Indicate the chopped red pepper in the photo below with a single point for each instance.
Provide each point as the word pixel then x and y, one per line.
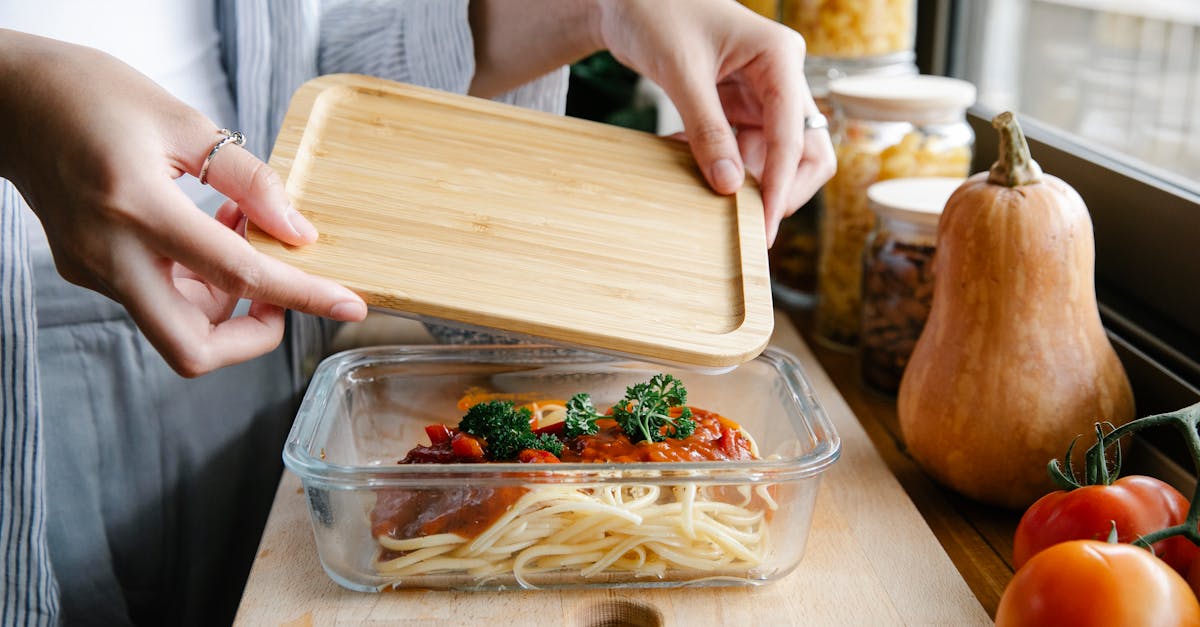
pixel 467 447
pixel 438 434
pixel 536 456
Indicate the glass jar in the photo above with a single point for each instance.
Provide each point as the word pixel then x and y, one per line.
pixel 793 258
pixel 898 274
pixel 765 8
pixel 883 128
pixel 853 28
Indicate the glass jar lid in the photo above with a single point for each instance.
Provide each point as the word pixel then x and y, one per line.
pixel 918 200
pixel 920 99
pixel 820 72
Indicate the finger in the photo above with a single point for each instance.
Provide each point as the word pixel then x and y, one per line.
pixel 816 168
pixel 708 132
pixel 258 192
pixel 753 147
pixel 783 133
pixel 228 262
pixel 181 332
pixel 216 304
pixel 229 215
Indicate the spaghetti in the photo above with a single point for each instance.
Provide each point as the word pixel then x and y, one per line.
pixel 611 531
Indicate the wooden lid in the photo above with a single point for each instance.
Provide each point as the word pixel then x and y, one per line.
pixel 470 211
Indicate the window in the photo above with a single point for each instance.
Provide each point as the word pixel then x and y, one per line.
pixel 1123 77
pixel 1108 92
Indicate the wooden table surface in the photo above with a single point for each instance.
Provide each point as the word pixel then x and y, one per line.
pixel 887 546
pixel 977 537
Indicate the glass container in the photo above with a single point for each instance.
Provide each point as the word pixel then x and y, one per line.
pixel 898 274
pixel 883 128
pixel 853 28
pixel 765 8
pixel 625 524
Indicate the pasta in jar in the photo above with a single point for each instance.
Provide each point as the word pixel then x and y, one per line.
pixel 853 28
pixel 765 8
pixel 871 149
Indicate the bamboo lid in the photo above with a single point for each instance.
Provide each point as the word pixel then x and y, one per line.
pixel 472 212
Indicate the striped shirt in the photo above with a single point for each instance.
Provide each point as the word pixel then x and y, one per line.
pixel 269 48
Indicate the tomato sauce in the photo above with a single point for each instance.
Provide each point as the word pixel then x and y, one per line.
pixel 468 511
pixel 715 439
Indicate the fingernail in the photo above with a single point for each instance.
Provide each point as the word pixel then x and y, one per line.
pixel 301 225
pixel 726 176
pixel 772 233
pixel 348 310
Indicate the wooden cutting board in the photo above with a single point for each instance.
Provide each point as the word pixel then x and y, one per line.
pixel 456 208
pixel 870 560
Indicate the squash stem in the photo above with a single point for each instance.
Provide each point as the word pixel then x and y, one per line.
pixel 1015 166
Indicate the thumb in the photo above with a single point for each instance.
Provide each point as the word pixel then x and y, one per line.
pixel 709 134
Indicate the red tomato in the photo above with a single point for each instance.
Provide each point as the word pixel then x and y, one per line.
pixel 1193 577
pixel 1087 582
pixel 1138 504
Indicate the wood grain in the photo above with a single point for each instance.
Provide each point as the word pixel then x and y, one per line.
pixel 462 209
pixel 977 537
pixel 870 560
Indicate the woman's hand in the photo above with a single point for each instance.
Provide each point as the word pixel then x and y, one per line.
pixel 757 68
pixel 720 63
pixel 94 146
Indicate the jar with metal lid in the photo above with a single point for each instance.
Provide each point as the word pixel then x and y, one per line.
pixel 883 128
pixel 793 258
pixel 853 28
pixel 898 274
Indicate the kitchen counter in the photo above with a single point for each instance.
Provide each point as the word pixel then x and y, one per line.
pixel 978 538
pixel 887 546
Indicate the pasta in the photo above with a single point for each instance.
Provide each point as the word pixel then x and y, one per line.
pixel 863 160
pixel 611 532
pixel 852 28
pixel 640 530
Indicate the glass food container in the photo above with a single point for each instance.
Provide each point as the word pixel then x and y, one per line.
pixel 793 258
pixel 898 274
pixel 854 28
pixel 765 8
pixel 883 128
pixel 551 525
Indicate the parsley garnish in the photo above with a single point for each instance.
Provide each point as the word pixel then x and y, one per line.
pixel 581 416
pixel 644 414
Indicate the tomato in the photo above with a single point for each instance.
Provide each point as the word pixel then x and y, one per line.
pixel 1136 503
pixel 1193 577
pixel 1088 582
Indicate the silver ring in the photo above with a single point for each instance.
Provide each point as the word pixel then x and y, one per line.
pixel 229 136
pixel 815 120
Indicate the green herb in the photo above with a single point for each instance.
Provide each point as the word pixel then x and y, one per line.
pixel 581 416
pixel 644 414
pixel 506 430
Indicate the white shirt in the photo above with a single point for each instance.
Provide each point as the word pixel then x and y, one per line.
pixel 174 42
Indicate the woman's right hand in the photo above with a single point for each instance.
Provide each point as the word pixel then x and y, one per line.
pixel 94 148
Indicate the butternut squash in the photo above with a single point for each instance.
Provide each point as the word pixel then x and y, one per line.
pixel 1013 362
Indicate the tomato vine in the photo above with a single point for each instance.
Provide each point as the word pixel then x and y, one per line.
pixel 1097 470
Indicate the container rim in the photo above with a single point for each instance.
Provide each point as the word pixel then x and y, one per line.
pixel 298 456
